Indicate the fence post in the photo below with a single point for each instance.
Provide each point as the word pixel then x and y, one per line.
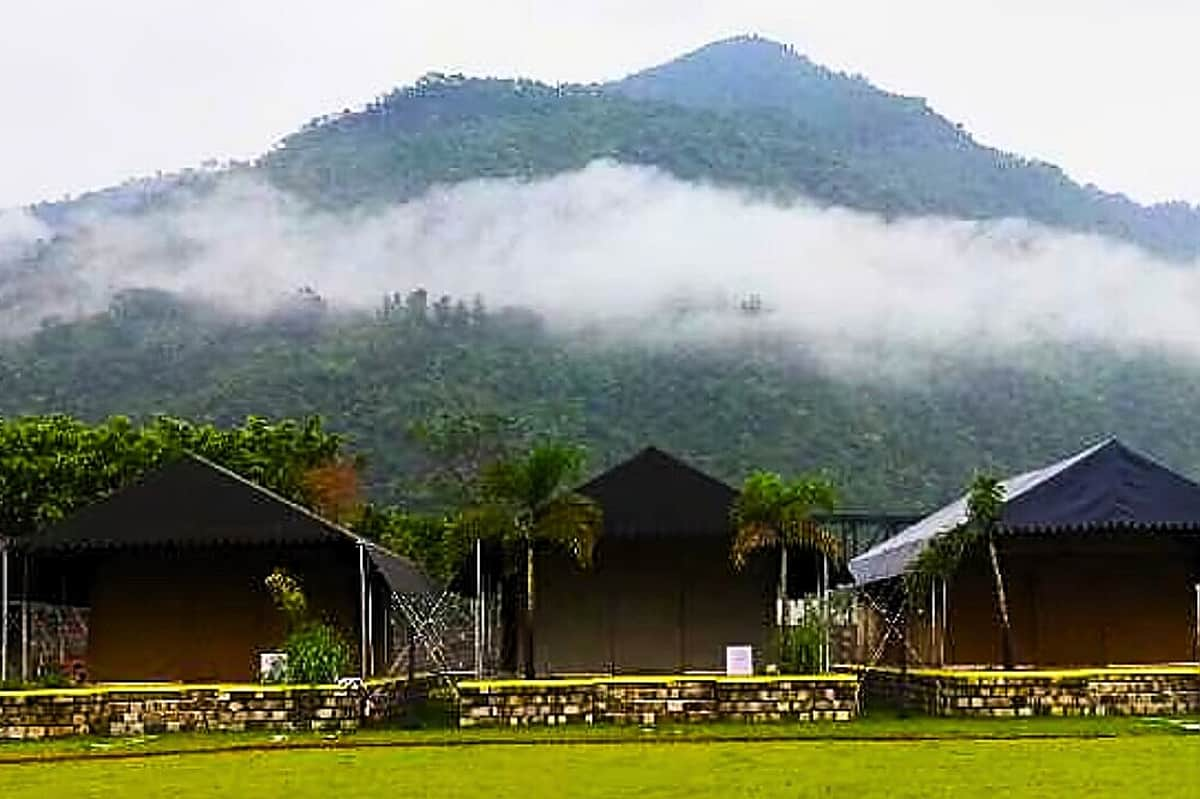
pixel 827 663
pixel 25 618
pixel 362 610
pixel 4 603
pixel 945 631
pixel 1196 643
pixel 479 609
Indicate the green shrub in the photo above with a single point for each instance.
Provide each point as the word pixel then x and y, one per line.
pixel 316 653
pixel 799 647
pixel 53 677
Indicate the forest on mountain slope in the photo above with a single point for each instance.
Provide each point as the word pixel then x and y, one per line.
pixel 744 113
pixel 888 444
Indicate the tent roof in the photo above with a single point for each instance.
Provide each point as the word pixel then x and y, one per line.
pixel 193 502
pixel 654 493
pixel 1106 486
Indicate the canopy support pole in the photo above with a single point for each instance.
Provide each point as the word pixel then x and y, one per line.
pixel 4 605
pixel 783 583
pixel 945 628
pixel 827 656
pixel 62 638
pixel 370 629
pixel 1196 641
pixel 480 625
pixel 362 609
pixel 25 619
pixel 933 623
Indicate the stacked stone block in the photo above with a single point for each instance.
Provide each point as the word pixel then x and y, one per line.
pixel 536 702
pixel 656 701
pixel 1087 693
pixel 45 715
pixel 121 711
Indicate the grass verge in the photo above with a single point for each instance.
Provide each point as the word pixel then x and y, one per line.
pixel 1158 765
pixel 434 732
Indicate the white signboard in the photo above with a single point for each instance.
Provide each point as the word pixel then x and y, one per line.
pixel 739 661
pixel 272 666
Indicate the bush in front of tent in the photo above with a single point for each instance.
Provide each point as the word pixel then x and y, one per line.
pixel 316 651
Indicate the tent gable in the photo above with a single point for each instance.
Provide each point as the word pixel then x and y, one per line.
pixel 1103 486
pixel 190 502
pixel 1114 485
pixel 654 493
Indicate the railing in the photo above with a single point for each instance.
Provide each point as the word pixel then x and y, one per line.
pixel 858 531
pixel 53 640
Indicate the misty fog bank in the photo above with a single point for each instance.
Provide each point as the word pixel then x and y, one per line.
pixel 626 250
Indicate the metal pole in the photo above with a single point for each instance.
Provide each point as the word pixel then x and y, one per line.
pixel 1196 645
pixel 783 594
pixel 945 628
pixel 371 629
pixel 826 662
pixel 4 602
pixel 362 609
pixel 386 644
pixel 25 619
pixel 933 622
pixel 479 609
pixel 61 616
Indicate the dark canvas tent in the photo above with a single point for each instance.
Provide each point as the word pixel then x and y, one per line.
pixel 1100 556
pixel 662 594
pixel 172 571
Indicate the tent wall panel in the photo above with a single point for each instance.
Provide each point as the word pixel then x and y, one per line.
pixel 203 615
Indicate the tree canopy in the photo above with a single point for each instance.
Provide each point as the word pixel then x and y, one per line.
pixel 898 445
pixel 530 497
pixel 772 512
pixel 53 465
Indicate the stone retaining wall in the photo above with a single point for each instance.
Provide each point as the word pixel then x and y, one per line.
pixel 626 700
pixel 1169 691
pixel 142 710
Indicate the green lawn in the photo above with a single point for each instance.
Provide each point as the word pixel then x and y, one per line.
pixel 1124 766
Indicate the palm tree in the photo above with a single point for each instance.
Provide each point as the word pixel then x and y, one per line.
pixel 984 505
pixel 526 500
pixel 772 512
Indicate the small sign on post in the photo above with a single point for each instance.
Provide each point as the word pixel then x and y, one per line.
pixel 272 666
pixel 739 661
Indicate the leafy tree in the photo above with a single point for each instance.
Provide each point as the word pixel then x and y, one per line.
pixel 333 490
pixel 51 466
pixel 432 540
pixel 527 501
pixel 459 446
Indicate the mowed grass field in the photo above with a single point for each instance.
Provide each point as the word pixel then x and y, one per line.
pixel 1121 766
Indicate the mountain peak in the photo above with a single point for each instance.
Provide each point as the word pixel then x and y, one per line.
pixel 749 46
pixel 748 71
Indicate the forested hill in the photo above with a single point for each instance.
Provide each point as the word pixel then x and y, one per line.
pixel 744 112
pixel 888 444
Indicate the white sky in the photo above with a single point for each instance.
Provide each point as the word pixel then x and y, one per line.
pixel 92 92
